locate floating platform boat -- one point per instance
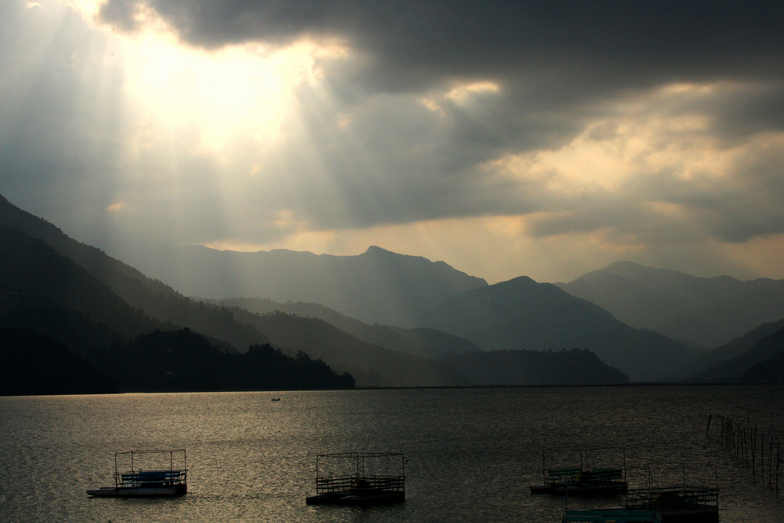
(167, 477)
(584, 480)
(359, 479)
(678, 504)
(612, 515)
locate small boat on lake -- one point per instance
(611, 515)
(585, 480)
(356, 478)
(677, 504)
(144, 473)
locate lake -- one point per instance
(470, 453)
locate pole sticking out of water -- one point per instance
(748, 444)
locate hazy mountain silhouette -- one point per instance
(46, 274)
(177, 361)
(522, 314)
(705, 311)
(730, 350)
(370, 364)
(525, 367)
(66, 325)
(421, 341)
(58, 322)
(377, 286)
(31, 268)
(765, 348)
(767, 370)
(493, 368)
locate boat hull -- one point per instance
(585, 489)
(138, 492)
(353, 499)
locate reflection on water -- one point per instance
(470, 454)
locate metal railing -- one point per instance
(676, 496)
(354, 483)
(150, 478)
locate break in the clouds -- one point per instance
(506, 138)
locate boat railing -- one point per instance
(675, 496)
(563, 476)
(150, 478)
(355, 483)
(611, 515)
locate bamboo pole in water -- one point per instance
(754, 451)
(770, 463)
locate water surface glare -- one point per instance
(470, 453)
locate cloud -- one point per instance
(438, 39)
(629, 127)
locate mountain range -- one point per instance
(384, 318)
(707, 312)
(87, 300)
(377, 286)
(524, 314)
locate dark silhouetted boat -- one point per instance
(611, 515)
(677, 504)
(584, 479)
(356, 478)
(167, 475)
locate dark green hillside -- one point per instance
(424, 342)
(525, 367)
(186, 361)
(377, 286)
(370, 364)
(708, 366)
(759, 355)
(98, 290)
(33, 269)
(32, 363)
(771, 370)
(62, 323)
(145, 296)
(705, 311)
(123, 279)
(521, 314)
(47, 291)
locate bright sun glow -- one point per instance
(236, 94)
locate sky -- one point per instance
(544, 139)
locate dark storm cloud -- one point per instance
(438, 110)
(415, 44)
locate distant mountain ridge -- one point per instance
(709, 364)
(424, 342)
(80, 296)
(378, 286)
(521, 314)
(766, 350)
(768, 359)
(706, 311)
(527, 367)
(82, 287)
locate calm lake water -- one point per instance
(470, 454)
